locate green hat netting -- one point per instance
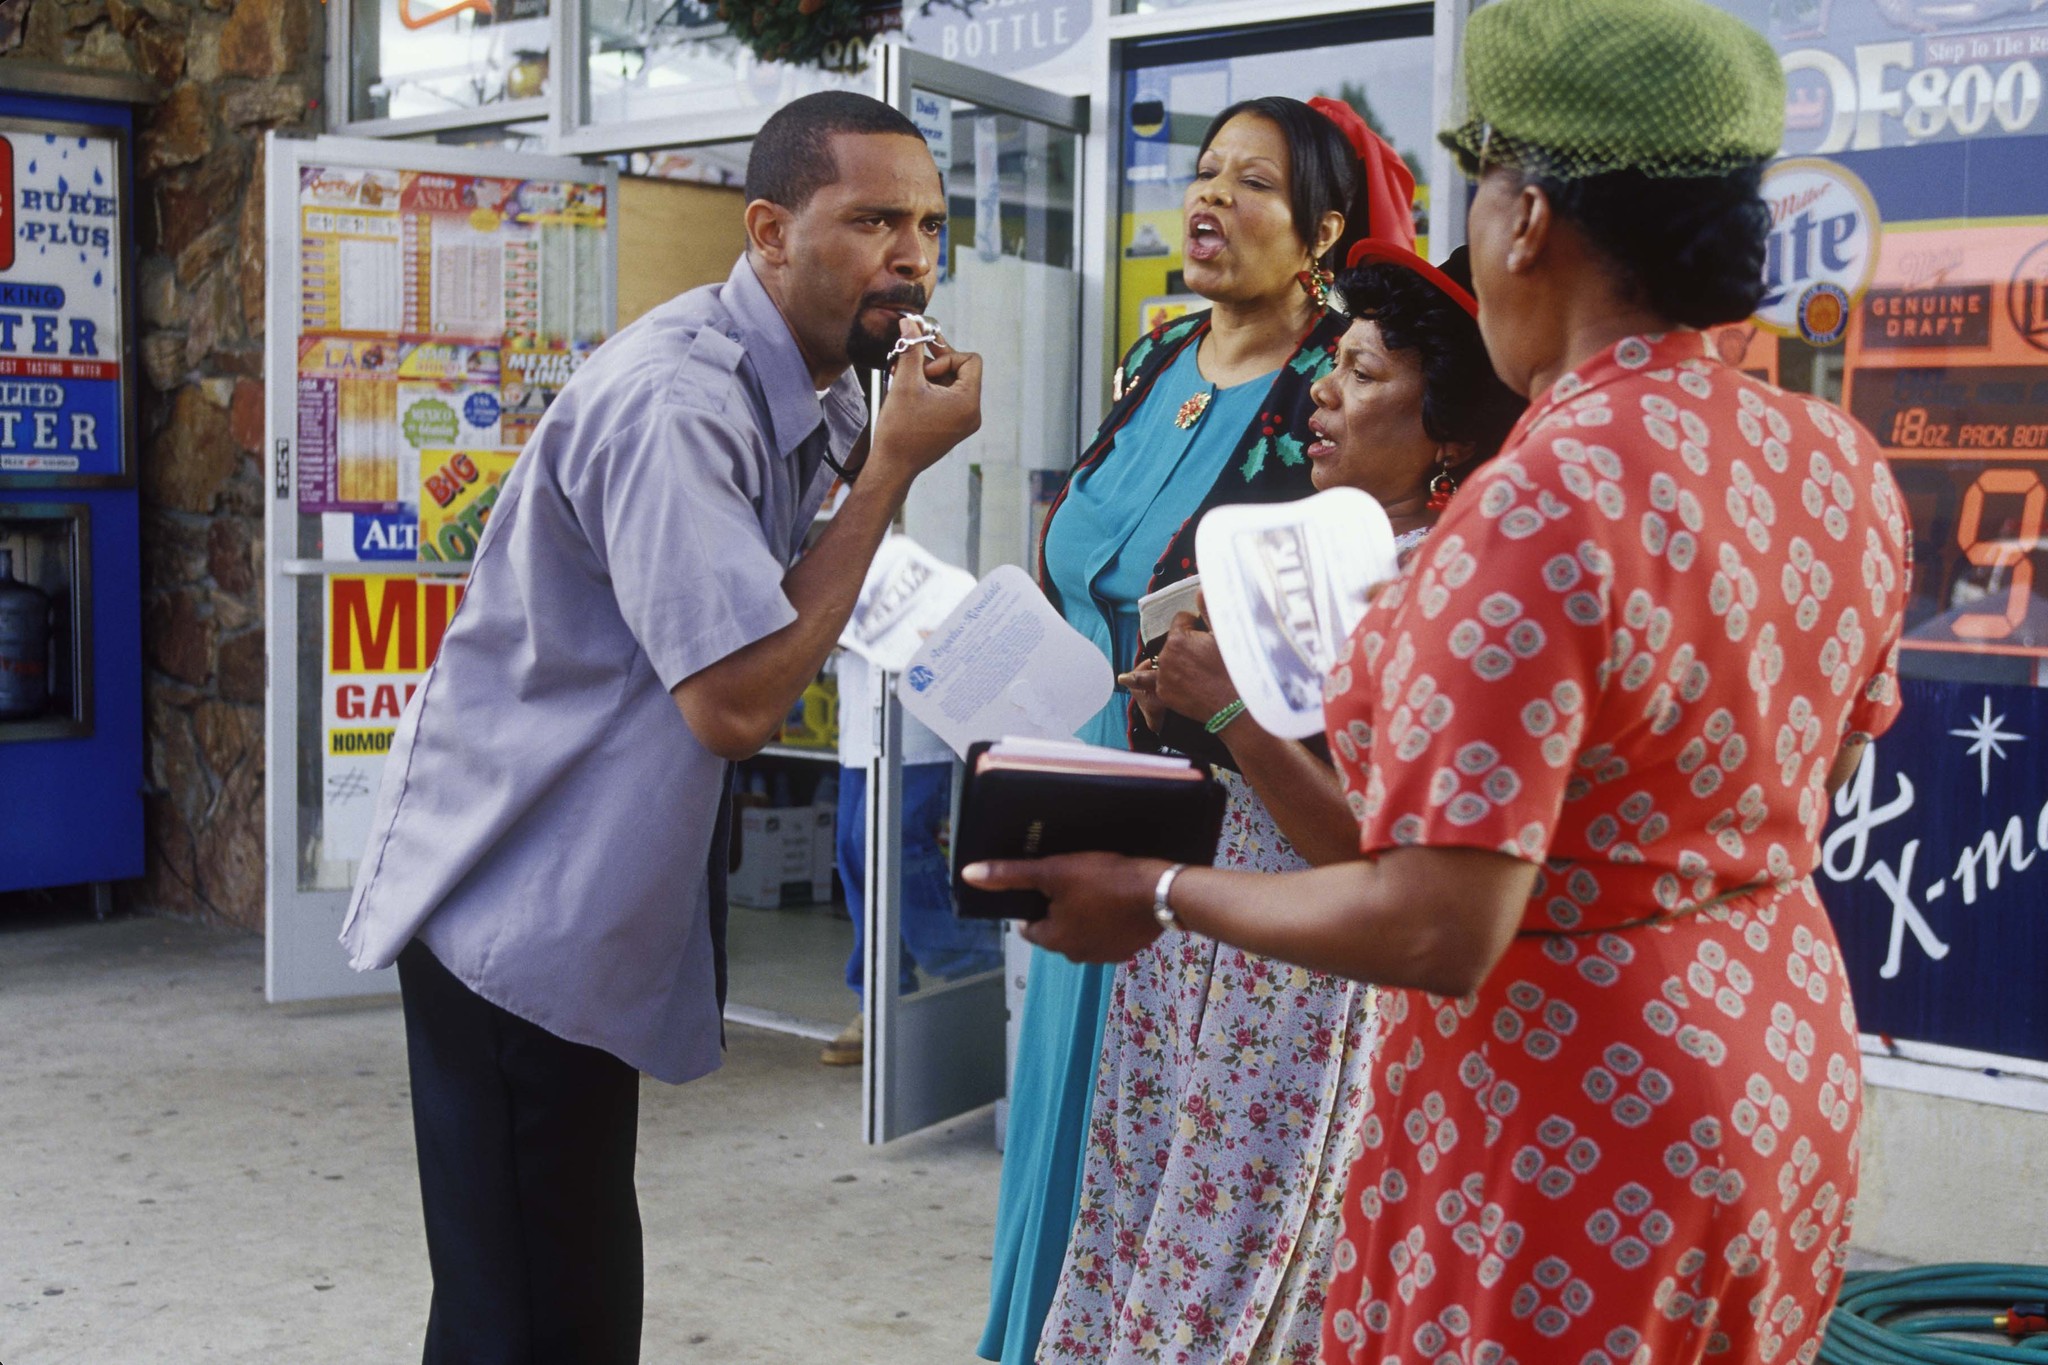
(1573, 88)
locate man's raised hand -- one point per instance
(933, 403)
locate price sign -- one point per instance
(1948, 375)
(1980, 568)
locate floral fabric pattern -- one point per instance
(1226, 1113)
(1629, 653)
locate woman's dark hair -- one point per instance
(1322, 168)
(1692, 250)
(1462, 399)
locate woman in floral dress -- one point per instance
(1210, 408)
(1590, 737)
(1227, 1105)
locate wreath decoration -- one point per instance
(805, 32)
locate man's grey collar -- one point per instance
(778, 362)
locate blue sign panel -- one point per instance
(1935, 871)
(61, 345)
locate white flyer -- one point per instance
(1005, 663)
(1285, 584)
(908, 591)
(1157, 610)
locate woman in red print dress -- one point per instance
(1590, 735)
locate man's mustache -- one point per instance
(909, 296)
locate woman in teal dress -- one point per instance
(1209, 409)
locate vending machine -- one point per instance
(71, 763)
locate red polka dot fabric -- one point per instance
(1629, 653)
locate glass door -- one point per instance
(424, 304)
(1382, 63)
(1009, 287)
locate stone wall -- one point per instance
(228, 71)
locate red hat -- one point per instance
(1371, 249)
(1388, 184)
(1389, 194)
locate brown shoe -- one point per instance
(846, 1049)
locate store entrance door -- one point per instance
(1009, 288)
(424, 306)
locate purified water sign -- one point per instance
(60, 305)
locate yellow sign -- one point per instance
(387, 623)
(458, 488)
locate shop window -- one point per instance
(530, 136)
(665, 58)
(1909, 281)
(1380, 64)
(417, 58)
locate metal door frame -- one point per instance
(302, 954)
(920, 1065)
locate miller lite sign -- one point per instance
(1821, 252)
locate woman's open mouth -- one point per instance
(1205, 238)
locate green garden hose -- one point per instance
(1957, 1314)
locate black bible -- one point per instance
(1037, 798)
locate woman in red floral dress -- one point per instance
(1590, 736)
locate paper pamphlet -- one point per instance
(1285, 584)
(1156, 610)
(1005, 663)
(908, 591)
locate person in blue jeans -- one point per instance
(934, 939)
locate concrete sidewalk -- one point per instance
(189, 1174)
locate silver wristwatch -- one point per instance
(1161, 911)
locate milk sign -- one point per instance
(1821, 252)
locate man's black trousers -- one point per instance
(526, 1147)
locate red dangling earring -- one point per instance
(1441, 489)
(1315, 282)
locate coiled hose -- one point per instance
(1957, 1314)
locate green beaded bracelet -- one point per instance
(1215, 723)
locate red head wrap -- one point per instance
(1388, 189)
(1387, 186)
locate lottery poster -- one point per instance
(349, 252)
(438, 313)
(61, 342)
(458, 488)
(447, 395)
(382, 631)
(348, 407)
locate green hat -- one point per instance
(1573, 88)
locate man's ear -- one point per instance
(768, 231)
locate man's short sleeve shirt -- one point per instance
(546, 818)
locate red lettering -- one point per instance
(348, 701)
(443, 489)
(397, 616)
(442, 600)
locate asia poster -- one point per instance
(438, 313)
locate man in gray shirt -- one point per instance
(546, 863)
